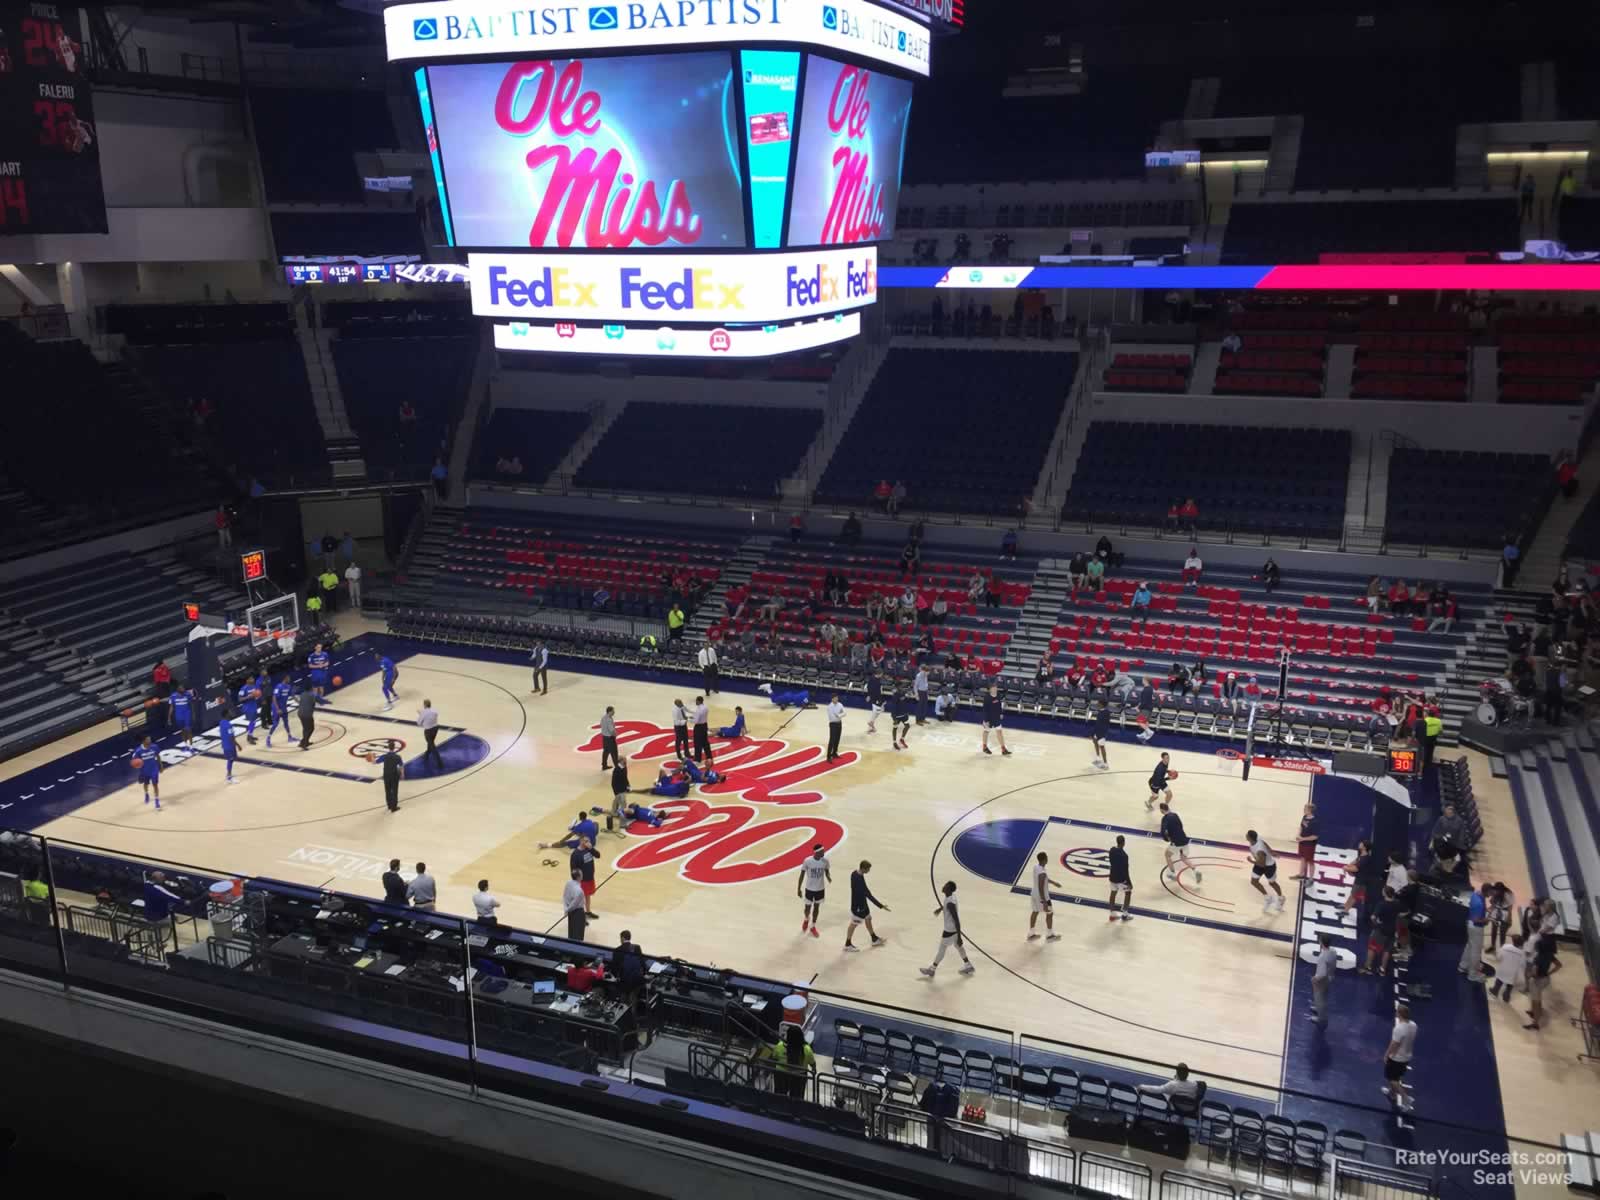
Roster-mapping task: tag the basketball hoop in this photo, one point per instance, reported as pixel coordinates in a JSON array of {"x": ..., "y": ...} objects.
[{"x": 1229, "y": 761}]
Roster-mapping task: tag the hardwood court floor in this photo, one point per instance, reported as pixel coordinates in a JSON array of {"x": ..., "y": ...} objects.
[{"x": 1213, "y": 995}]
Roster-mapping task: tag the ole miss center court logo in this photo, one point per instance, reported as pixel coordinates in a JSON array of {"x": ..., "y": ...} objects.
[
  {"x": 705, "y": 839},
  {"x": 372, "y": 749}
]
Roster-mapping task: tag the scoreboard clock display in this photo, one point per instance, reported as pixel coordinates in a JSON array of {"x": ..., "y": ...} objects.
[
  {"x": 1404, "y": 763},
  {"x": 49, "y": 156},
  {"x": 253, "y": 565}
]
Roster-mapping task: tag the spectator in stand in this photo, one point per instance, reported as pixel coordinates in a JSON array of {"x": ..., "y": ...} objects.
[
  {"x": 1231, "y": 344},
  {"x": 736, "y": 599},
  {"x": 910, "y": 559},
  {"x": 440, "y": 476},
  {"x": 1374, "y": 596},
  {"x": 976, "y": 586},
  {"x": 882, "y": 493},
  {"x": 1178, "y": 680},
  {"x": 1104, "y": 551},
  {"x": 1399, "y": 598},
  {"x": 1008, "y": 544},
  {"x": 1567, "y": 475},
  {"x": 874, "y": 608},
  {"x": 1230, "y": 685},
  {"x": 797, "y": 526},
  {"x": 1139, "y": 605},
  {"x": 1526, "y": 191},
  {"x": 1043, "y": 670},
  {"x": 1271, "y": 577},
  {"x": 850, "y": 531},
  {"x": 675, "y": 620},
  {"x": 1192, "y": 567},
  {"x": 1510, "y": 559},
  {"x": 939, "y": 610},
  {"x": 224, "y": 525},
  {"x": 918, "y": 528},
  {"x": 897, "y": 497},
  {"x": 1518, "y": 639},
  {"x": 1189, "y": 515},
  {"x": 1095, "y": 573},
  {"x": 161, "y": 677},
  {"x": 1555, "y": 687},
  {"x": 1172, "y": 515},
  {"x": 908, "y": 606},
  {"x": 1443, "y": 610},
  {"x": 1078, "y": 569}
]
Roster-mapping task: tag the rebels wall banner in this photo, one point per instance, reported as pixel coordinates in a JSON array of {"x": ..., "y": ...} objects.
[{"x": 49, "y": 156}]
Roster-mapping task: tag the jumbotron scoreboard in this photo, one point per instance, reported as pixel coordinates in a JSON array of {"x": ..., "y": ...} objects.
[
  {"x": 49, "y": 161},
  {"x": 674, "y": 178}
]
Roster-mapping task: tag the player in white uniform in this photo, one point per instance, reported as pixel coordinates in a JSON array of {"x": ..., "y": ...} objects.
[
  {"x": 1040, "y": 897},
  {"x": 815, "y": 876},
  {"x": 951, "y": 934},
  {"x": 1177, "y": 841},
  {"x": 1264, "y": 866}
]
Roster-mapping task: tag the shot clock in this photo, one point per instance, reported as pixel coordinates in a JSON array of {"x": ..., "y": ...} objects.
[
  {"x": 253, "y": 565},
  {"x": 1404, "y": 762}
]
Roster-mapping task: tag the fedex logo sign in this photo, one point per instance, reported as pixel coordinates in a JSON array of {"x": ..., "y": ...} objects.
[
  {"x": 688, "y": 291},
  {"x": 820, "y": 286},
  {"x": 683, "y": 288}
]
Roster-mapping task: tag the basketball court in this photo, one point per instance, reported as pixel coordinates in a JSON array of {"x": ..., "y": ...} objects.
[{"x": 1200, "y": 973}]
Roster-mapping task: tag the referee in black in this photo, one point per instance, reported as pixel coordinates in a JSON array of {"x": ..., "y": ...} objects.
[
  {"x": 394, "y": 769},
  {"x": 835, "y": 726}
]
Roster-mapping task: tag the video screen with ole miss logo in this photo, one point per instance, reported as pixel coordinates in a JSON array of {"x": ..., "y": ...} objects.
[{"x": 633, "y": 153}]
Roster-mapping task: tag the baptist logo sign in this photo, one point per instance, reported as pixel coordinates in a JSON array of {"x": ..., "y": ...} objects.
[
  {"x": 459, "y": 28},
  {"x": 684, "y": 288}
]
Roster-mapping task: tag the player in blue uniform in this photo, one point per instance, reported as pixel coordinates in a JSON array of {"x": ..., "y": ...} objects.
[
  {"x": 390, "y": 674},
  {"x": 149, "y": 771},
  {"x": 317, "y": 661},
  {"x": 280, "y": 710},
  {"x": 994, "y": 720},
  {"x": 250, "y": 705},
  {"x": 230, "y": 747},
  {"x": 182, "y": 704}
]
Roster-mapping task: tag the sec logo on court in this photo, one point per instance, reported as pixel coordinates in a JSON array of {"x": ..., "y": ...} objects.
[
  {"x": 1087, "y": 860},
  {"x": 372, "y": 749}
]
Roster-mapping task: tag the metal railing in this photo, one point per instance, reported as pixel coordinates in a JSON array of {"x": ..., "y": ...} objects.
[
  {"x": 1371, "y": 1181},
  {"x": 1113, "y": 1176}
]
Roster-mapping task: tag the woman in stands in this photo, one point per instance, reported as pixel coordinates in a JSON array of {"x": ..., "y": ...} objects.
[{"x": 1374, "y": 593}]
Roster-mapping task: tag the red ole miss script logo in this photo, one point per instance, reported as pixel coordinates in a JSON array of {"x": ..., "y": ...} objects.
[
  {"x": 705, "y": 839},
  {"x": 855, "y": 214},
  {"x": 583, "y": 186}
]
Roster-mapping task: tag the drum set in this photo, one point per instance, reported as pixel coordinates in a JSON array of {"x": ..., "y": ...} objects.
[{"x": 1499, "y": 704}]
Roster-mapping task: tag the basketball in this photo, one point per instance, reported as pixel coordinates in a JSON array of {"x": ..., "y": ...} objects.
[
  {"x": 1172, "y": 774},
  {"x": 338, "y": 681},
  {"x": 136, "y": 763},
  {"x": 255, "y": 693}
]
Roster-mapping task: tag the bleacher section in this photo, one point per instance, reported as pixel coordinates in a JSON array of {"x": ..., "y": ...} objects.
[
  {"x": 1296, "y": 232},
  {"x": 389, "y": 354},
  {"x": 241, "y": 361},
  {"x": 1466, "y": 498},
  {"x": 308, "y": 139},
  {"x": 78, "y": 642},
  {"x": 500, "y": 560},
  {"x": 1411, "y": 357},
  {"x": 1289, "y": 481},
  {"x": 1548, "y": 360},
  {"x": 975, "y": 630},
  {"x": 538, "y": 437},
  {"x": 966, "y": 430},
  {"x": 1148, "y": 373},
  {"x": 1344, "y": 657},
  {"x": 706, "y": 449},
  {"x": 82, "y": 454}
]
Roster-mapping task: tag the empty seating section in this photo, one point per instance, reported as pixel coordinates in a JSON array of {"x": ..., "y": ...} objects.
[
  {"x": 1262, "y": 234},
  {"x": 1411, "y": 357},
  {"x": 966, "y": 430},
  {"x": 81, "y": 454},
  {"x": 539, "y": 438},
  {"x": 1342, "y": 107},
  {"x": 511, "y": 560},
  {"x": 1583, "y": 540},
  {"x": 1142, "y": 372},
  {"x": 1465, "y": 498},
  {"x": 708, "y": 449},
  {"x": 1280, "y": 365},
  {"x": 1343, "y": 656},
  {"x": 386, "y": 364},
  {"x": 1241, "y": 478},
  {"x": 976, "y": 629},
  {"x": 308, "y": 139},
  {"x": 971, "y": 131},
  {"x": 373, "y": 233},
  {"x": 241, "y": 361},
  {"x": 1548, "y": 360}
]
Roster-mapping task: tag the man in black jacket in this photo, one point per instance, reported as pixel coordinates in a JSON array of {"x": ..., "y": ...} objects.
[
  {"x": 619, "y": 797},
  {"x": 394, "y": 768},
  {"x": 394, "y": 887}
]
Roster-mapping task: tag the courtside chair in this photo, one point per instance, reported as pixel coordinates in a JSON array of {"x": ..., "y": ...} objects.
[
  {"x": 1249, "y": 1139},
  {"x": 847, "y": 1037},
  {"x": 1347, "y": 1143},
  {"x": 1124, "y": 1099},
  {"x": 1036, "y": 1087},
  {"x": 1094, "y": 1092},
  {"x": 1278, "y": 1154},
  {"x": 899, "y": 1048},
  {"x": 951, "y": 1067},
  {"x": 925, "y": 1054},
  {"x": 874, "y": 1044},
  {"x": 1063, "y": 1088},
  {"x": 1007, "y": 1079},
  {"x": 979, "y": 1071},
  {"x": 1216, "y": 1131}
]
